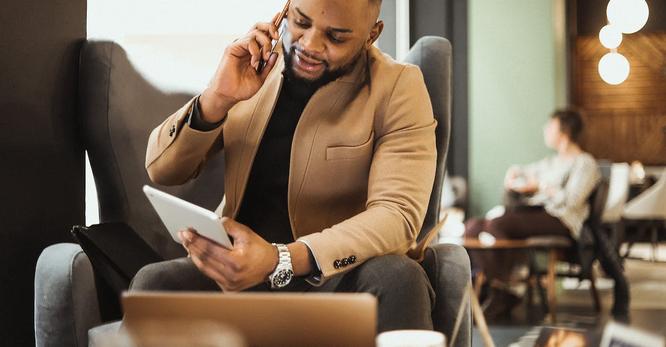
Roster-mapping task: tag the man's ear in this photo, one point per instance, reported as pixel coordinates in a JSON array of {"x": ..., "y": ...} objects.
[{"x": 374, "y": 33}]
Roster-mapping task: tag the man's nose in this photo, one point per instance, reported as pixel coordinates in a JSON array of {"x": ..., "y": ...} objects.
[{"x": 312, "y": 42}]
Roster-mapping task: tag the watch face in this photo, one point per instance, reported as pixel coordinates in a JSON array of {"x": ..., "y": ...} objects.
[{"x": 282, "y": 278}]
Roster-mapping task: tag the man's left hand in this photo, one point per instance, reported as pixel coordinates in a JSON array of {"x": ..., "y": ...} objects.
[{"x": 247, "y": 264}]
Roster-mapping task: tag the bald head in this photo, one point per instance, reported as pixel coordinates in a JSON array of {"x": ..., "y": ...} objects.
[
  {"x": 375, "y": 7},
  {"x": 326, "y": 37}
]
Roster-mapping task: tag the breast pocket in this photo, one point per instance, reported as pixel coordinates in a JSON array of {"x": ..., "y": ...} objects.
[{"x": 350, "y": 152}]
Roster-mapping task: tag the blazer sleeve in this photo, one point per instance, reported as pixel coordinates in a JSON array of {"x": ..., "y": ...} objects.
[
  {"x": 176, "y": 152},
  {"x": 400, "y": 181}
]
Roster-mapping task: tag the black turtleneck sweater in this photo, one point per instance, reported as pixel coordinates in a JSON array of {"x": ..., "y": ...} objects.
[{"x": 264, "y": 205}]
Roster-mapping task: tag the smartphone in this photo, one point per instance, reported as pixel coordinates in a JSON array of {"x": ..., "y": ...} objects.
[{"x": 278, "y": 24}]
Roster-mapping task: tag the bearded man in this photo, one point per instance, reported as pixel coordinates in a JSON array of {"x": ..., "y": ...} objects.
[{"x": 329, "y": 164}]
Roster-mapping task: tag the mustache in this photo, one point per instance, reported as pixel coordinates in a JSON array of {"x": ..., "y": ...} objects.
[{"x": 296, "y": 48}]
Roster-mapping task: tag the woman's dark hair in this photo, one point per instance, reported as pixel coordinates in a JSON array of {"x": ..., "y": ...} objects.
[{"x": 571, "y": 123}]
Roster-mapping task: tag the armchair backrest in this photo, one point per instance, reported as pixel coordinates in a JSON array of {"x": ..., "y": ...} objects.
[
  {"x": 433, "y": 55},
  {"x": 118, "y": 109}
]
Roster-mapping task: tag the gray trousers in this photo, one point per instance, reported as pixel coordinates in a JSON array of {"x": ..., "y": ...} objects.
[{"x": 401, "y": 286}]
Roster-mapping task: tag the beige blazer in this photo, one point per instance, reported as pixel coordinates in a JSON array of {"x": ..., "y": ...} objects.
[{"x": 362, "y": 160}]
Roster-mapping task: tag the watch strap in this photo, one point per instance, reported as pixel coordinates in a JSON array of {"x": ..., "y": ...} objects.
[
  {"x": 284, "y": 257},
  {"x": 284, "y": 264}
]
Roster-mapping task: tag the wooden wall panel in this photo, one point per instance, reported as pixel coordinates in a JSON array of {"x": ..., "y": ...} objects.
[{"x": 625, "y": 122}]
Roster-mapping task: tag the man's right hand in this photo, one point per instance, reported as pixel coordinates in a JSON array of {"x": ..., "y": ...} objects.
[
  {"x": 236, "y": 78},
  {"x": 511, "y": 175}
]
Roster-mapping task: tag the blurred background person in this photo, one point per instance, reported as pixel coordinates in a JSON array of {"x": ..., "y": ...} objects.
[{"x": 548, "y": 197}]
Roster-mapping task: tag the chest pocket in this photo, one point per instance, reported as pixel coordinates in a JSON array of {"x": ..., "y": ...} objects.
[{"x": 351, "y": 152}]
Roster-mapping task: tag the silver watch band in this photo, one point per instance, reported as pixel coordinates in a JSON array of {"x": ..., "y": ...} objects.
[
  {"x": 284, "y": 271},
  {"x": 284, "y": 257}
]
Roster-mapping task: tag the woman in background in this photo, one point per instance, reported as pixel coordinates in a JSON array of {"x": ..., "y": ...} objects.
[{"x": 549, "y": 197}]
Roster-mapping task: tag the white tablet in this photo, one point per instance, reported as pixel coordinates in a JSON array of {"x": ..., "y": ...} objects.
[{"x": 178, "y": 214}]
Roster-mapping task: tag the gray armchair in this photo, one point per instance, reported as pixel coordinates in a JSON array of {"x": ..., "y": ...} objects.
[{"x": 118, "y": 109}]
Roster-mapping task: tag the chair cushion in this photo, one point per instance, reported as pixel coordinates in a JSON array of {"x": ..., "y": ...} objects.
[{"x": 99, "y": 336}]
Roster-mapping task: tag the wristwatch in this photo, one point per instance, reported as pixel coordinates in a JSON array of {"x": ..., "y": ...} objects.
[{"x": 283, "y": 272}]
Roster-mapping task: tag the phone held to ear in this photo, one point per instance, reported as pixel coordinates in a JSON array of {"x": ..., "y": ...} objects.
[{"x": 278, "y": 24}]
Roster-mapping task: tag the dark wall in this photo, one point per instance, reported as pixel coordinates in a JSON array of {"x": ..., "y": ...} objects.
[
  {"x": 448, "y": 18},
  {"x": 42, "y": 172}
]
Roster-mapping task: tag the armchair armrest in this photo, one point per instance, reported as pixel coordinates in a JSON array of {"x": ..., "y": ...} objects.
[
  {"x": 66, "y": 303},
  {"x": 448, "y": 269}
]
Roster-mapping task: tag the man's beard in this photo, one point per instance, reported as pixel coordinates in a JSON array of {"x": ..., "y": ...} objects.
[{"x": 308, "y": 85}]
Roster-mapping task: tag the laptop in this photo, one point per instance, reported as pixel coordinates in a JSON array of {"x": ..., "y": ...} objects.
[{"x": 263, "y": 319}]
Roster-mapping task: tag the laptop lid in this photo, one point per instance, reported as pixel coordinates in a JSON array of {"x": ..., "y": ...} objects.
[{"x": 264, "y": 319}]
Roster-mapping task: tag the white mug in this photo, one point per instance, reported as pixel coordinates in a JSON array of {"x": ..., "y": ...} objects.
[{"x": 411, "y": 338}]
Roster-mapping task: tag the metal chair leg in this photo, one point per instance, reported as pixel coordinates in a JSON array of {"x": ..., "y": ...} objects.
[
  {"x": 654, "y": 239},
  {"x": 536, "y": 280},
  {"x": 531, "y": 280},
  {"x": 480, "y": 280},
  {"x": 531, "y": 283},
  {"x": 593, "y": 291},
  {"x": 550, "y": 284},
  {"x": 480, "y": 320}
]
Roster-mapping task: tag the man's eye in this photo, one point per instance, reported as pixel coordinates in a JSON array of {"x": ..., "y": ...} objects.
[
  {"x": 302, "y": 24},
  {"x": 335, "y": 39}
]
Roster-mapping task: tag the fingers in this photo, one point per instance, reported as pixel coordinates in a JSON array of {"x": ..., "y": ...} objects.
[
  {"x": 512, "y": 173},
  {"x": 210, "y": 271},
  {"x": 253, "y": 48},
  {"x": 269, "y": 66},
  {"x": 232, "y": 269},
  {"x": 195, "y": 242},
  {"x": 264, "y": 42},
  {"x": 240, "y": 232},
  {"x": 215, "y": 255},
  {"x": 264, "y": 34},
  {"x": 268, "y": 29},
  {"x": 220, "y": 274},
  {"x": 185, "y": 238},
  {"x": 259, "y": 47},
  {"x": 257, "y": 42},
  {"x": 214, "y": 263},
  {"x": 230, "y": 226},
  {"x": 205, "y": 249},
  {"x": 233, "y": 228}
]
